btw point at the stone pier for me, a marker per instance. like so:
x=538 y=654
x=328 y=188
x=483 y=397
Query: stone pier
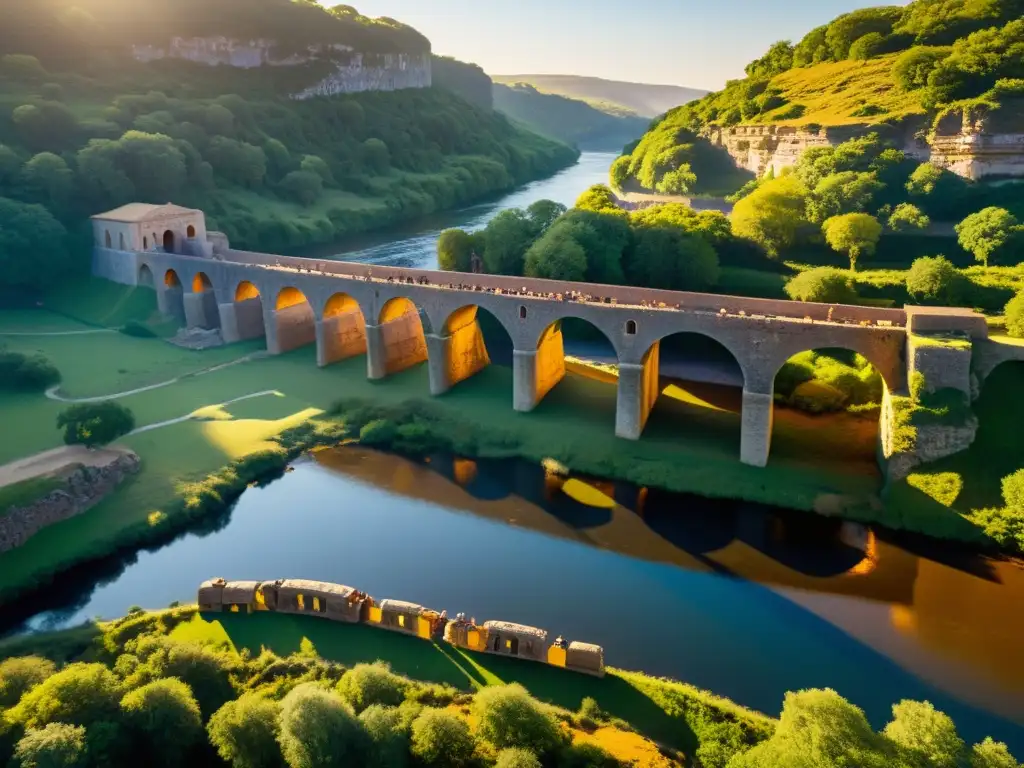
x=170 y=301
x=756 y=435
x=536 y=372
x=458 y=355
x=201 y=310
x=340 y=337
x=638 y=391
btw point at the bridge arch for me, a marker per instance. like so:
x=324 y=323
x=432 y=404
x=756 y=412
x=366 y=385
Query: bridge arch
x=170 y=295
x=294 y=321
x=342 y=332
x=246 y=291
x=473 y=337
x=201 y=283
x=145 y=277
x=171 y=279
x=247 y=307
x=403 y=331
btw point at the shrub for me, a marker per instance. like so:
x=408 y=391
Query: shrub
x=719 y=742
x=93 y=424
x=440 y=738
x=379 y=433
x=164 y=721
x=55 y=746
x=934 y=279
x=368 y=684
x=517 y=758
x=509 y=717
x=924 y=735
x=18 y=676
x=79 y=694
x=1015 y=316
x=23 y=373
x=388 y=729
x=818 y=397
x=205 y=672
x=319 y=729
x=1013 y=491
x=584 y=755
x=826 y=285
x=245 y=732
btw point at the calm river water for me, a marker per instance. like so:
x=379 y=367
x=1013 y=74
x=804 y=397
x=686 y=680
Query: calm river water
x=746 y=601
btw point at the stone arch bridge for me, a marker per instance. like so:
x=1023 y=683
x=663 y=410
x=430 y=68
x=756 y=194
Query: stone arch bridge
x=401 y=317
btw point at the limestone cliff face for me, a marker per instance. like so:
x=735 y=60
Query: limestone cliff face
x=967 y=148
x=355 y=71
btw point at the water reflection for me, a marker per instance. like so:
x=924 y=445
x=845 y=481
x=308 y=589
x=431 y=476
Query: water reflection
x=747 y=601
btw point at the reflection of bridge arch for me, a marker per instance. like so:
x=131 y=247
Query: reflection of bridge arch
x=341 y=332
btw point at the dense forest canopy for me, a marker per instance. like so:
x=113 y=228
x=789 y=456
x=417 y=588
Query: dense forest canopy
x=60 y=31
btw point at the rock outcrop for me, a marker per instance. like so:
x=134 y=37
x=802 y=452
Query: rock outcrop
x=83 y=488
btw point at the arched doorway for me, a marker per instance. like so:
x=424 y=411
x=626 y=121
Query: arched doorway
x=296 y=323
x=107 y=241
x=190 y=233
x=201 y=310
x=827 y=404
x=697 y=386
x=171 y=279
x=145 y=276
x=168 y=241
x=475 y=340
x=171 y=297
x=402 y=328
x=120 y=242
x=344 y=330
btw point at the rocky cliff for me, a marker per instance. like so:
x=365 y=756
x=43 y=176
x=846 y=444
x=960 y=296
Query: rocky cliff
x=354 y=71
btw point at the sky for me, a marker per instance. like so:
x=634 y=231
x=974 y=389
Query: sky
x=678 y=42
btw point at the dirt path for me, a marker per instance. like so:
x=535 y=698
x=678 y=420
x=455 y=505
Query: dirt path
x=54 y=461
x=190 y=416
x=52 y=392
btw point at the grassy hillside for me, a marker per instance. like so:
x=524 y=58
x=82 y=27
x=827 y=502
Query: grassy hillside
x=569 y=120
x=611 y=96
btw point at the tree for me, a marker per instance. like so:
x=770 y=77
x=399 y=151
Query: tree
x=219 y=120
x=544 y=213
x=1015 y=316
x=985 y=232
x=992 y=754
x=507 y=716
x=48 y=180
x=825 y=285
x=154 y=164
x=45 y=125
x=868 y=46
x=843 y=192
x=55 y=746
x=279 y=159
x=618 y=175
x=164 y=720
x=10 y=166
x=556 y=256
x=19 y=675
x=33 y=245
x=206 y=672
x=855 y=234
x=517 y=758
x=441 y=739
x=912 y=68
x=368 y=684
x=319 y=730
x=818 y=728
x=317 y=165
x=79 y=694
x=100 y=175
x=245 y=732
x=597 y=198
x=772 y=215
x=667 y=257
x=678 y=181
x=455 y=250
x=1013 y=491
x=603 y=237
x=19 y=66
x=506 y=239
x=237 y=161
x=926 y=738
x=906 y=217
x=303 y=186
x=93 y=424
x=934 y=279
x=376 y=156
x=388 y=728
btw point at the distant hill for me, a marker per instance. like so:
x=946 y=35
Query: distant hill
x=611 y=96
x=569 y=120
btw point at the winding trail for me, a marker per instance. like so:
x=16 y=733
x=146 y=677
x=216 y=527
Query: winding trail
x=191 y=416
x=52 y=392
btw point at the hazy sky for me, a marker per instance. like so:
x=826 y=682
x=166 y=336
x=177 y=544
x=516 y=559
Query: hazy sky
x=682 y=42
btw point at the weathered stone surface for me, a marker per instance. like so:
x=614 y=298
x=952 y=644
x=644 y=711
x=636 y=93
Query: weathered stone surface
x=82 y=489
x=934 y=442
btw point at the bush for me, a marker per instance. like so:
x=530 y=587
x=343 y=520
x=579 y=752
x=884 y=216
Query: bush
x=319 y=729
x=1015 y=316
x=93 y=424
x=19 y=676
x=584 y=755
x=164 y=721
x=442 y=739
x=934 y=279
x=389 y=731
x=23 y=373
x=517 y=758
x=1013 y=491
x=55 y=746
x=205 y=672
x=509 y=717
x=719 y=743
x=367 y=684
x=825 y=285
x=818 y=397
x=379 y=433
x=245 y=732
x=80 y=694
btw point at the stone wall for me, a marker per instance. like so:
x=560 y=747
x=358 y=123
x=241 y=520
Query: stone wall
x=354 y=72
x=84 y=487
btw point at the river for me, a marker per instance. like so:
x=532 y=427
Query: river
x=740 y=599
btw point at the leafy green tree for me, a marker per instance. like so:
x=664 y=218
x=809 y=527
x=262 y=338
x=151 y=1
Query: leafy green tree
x=934 y=279
x=19 y=675
x=10 y=166
x=667 y=257
x=992 y=754
x=779 y=59
x=367 y=684
x=925 y=737
x=506 y=240
x=507 y=716
x=376 y=156
x=163 y=719
x=79 y=694
x=1013 y=491
x=19 y=66
x=237 y=161
x=843 y=192
x=517 y=758
x=45 y=125
x=678 y=181
x=319 y=730
x=206 y=672
x=317 y=165
x=441 y=739
x=48 y=180
x=868 y=46
x=1015 y=316
x=33 y=245
x=855 y=234
x=773 y=215
x=154 y=164
x=604 y=237
x=556 y=256
x=455 y=250
x=984 y=233
x=279 y=159
x=56 y=745
x=388 y=728
x=245 y=732
x=913 y=66
x=907 y=217
x=825 y=285
x=93 y=424
x=813 y=48
x=101 y=176
x=845 y=30
x=619 y=173
x=219 y=120
x=303 y=186
x=544 y=213
x=818 y=728
x=597 y=198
